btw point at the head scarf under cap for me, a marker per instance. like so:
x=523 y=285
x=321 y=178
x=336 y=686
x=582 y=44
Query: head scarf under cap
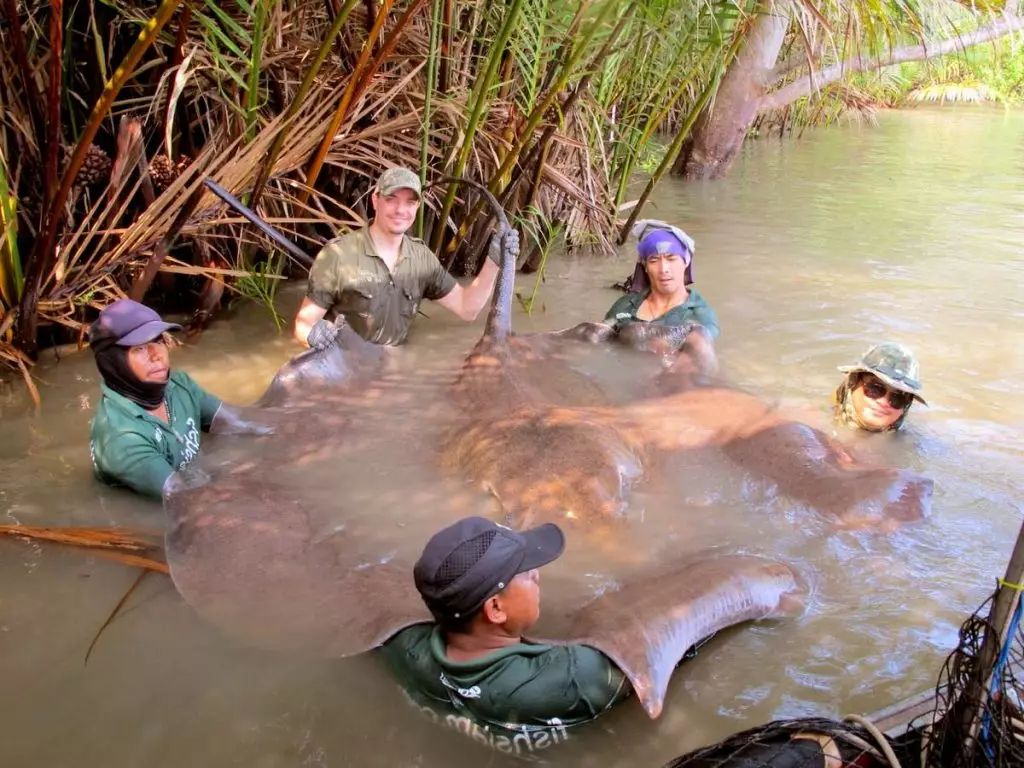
x=644 y=227
x=120 y=326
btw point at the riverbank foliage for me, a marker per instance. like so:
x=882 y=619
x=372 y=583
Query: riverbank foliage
x=116 y=111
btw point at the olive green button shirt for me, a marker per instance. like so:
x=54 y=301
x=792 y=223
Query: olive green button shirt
x=525 y=688
x=132 y=447
x=348 y=278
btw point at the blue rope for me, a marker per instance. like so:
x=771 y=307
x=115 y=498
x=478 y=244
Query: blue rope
x=997 y=674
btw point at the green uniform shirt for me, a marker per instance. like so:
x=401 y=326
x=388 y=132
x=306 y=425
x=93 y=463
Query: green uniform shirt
x=132 y=447
x=516 y=700
x=349 y=278
x=693 y=310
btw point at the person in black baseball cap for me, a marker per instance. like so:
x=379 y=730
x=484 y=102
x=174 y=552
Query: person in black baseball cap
x=481 y=582
x=149 y=418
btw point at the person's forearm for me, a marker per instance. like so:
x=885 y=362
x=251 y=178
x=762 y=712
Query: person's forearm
x=476 y=295
x=302 y=329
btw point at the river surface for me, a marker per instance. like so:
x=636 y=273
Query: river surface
x=809 y=252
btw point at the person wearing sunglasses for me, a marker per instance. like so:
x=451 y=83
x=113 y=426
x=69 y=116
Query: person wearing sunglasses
x=879 y=389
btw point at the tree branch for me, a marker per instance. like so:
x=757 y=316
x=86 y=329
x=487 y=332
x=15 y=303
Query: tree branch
x=805 y=85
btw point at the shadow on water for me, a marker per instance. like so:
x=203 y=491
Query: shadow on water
x=809 y=252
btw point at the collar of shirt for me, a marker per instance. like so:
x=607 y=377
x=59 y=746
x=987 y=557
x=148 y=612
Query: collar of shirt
x=370 y=247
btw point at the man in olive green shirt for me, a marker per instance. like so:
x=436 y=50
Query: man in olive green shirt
x=473 y=670
x=375 y=278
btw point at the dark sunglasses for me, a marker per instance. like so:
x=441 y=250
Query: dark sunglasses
x=876 y=390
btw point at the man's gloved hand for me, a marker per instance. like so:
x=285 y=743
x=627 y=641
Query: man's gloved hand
x=322 y=335
x=511 y=242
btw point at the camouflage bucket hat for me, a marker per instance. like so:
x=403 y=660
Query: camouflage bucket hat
x=398 y=178
x=894 y=364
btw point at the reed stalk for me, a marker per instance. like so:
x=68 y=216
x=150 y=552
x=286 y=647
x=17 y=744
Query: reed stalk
x=479 y=102
x=252 y=81
x=43 y=255
x=677 y=143
x=300 y=97
x=358 y=80
x=12 y=282
x=51 y=146
x=433 y=50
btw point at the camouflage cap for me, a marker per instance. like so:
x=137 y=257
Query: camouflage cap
x=894 y=364
x=398 y=178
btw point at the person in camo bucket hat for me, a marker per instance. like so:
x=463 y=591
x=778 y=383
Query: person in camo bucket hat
x=879 y=389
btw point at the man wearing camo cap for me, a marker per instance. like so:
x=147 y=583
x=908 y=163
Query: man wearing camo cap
x=879 y=389
x=375 y=278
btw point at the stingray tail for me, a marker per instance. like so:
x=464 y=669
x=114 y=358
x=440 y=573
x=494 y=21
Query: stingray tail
x=499 y=319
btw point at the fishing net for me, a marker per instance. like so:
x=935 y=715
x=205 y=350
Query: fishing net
x=974 y=721
x=805 y=743
x=977 y=721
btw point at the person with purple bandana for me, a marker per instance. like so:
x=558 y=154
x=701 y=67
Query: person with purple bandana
x=660 y=295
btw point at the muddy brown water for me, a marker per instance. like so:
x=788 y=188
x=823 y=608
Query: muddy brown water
x=810 y=251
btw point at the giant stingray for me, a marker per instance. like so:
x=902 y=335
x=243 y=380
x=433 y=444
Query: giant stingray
x=282 y=540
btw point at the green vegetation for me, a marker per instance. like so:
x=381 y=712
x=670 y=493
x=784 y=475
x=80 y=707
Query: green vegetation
x=297 y=105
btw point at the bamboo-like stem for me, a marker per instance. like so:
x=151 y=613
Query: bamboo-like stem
x=28 y=85
x=51 y=146
x=177 y=57
x=428 y=97
x=561 y=79
x=355 y=81
x=625 y=171
x=479 y=101
x=673 y=150
x=300 y=97
x=11 y=279
x=44 y=253
x=104 y=538
x=444 y=76
x=252 y=83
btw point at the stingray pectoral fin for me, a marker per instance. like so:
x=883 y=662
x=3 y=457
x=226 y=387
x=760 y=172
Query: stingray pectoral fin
x=647 y=627
x=351 y=358
x=242 y=554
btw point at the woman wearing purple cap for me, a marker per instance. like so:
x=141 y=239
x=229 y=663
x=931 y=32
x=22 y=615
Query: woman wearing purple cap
x=149 y=418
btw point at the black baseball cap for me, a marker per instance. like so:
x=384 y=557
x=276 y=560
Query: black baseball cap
x=474 y=559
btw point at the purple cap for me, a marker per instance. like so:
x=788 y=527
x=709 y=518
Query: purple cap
x=129 y=324
x=662 y=241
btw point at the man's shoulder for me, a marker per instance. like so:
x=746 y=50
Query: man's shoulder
x=625 y=305
x=181 y=385
x=349 y=244
x=417 y=247
x=695 y=299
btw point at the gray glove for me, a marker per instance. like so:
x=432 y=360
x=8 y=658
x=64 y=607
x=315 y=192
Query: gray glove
x=511 y=243
x=230 y=420
x=322 y=335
